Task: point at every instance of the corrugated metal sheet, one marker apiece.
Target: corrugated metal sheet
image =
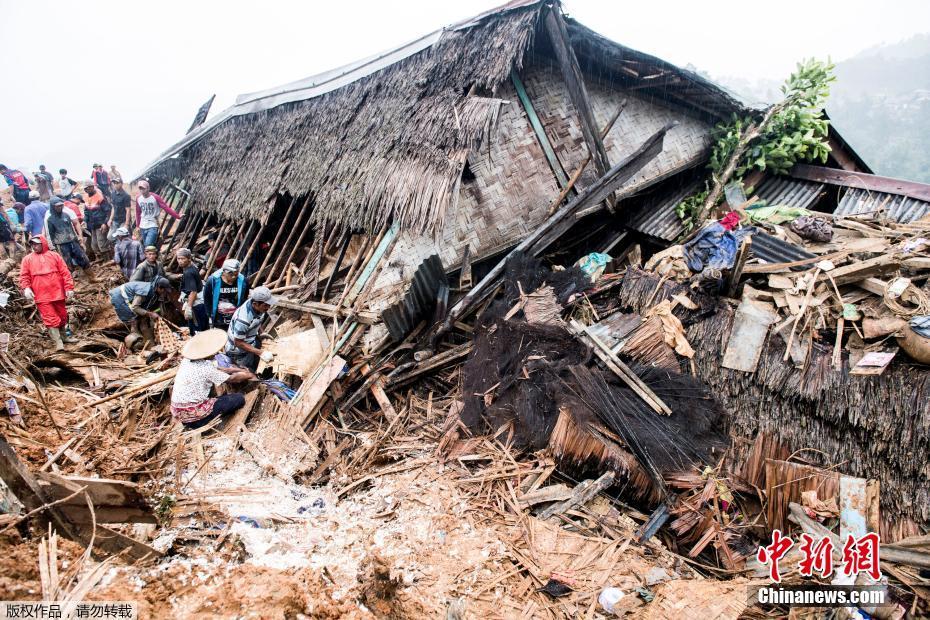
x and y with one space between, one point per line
898 208
658 218
418 301
782 190
773 250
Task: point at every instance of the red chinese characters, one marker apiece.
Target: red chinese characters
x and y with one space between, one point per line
818 556
771 554
862 556
859 555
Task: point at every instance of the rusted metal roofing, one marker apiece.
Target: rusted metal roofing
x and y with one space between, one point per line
901 209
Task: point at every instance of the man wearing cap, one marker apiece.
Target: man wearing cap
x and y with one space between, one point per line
127 253
134 303
243 343
34 215
150 268
44 278
96 215
121 202
63 230
224 291
148 204
192 292
191 403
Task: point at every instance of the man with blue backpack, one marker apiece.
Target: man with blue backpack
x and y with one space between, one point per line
224 291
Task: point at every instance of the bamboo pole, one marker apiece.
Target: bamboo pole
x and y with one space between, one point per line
332 276
168 375
258 237
238 239
290 238
216 248
274 244
300 240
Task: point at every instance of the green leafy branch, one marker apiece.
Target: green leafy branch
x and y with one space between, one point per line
790 131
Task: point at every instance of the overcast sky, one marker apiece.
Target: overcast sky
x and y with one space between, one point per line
126 82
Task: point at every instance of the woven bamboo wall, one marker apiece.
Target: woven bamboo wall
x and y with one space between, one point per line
640 119
513 185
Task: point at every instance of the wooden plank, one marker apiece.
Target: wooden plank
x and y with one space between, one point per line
377 389
313 395
551 493
362 279
862 180
582 494
328 310
779 267
747 336
574 82
230 425
855 272
540 132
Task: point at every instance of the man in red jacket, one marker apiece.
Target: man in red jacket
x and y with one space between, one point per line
45 278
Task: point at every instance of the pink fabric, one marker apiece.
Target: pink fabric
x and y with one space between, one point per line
730 220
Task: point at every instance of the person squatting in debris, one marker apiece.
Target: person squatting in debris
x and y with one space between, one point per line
63 230
135 302
243 342
192 292
191 403
225 290
44 278
96 214
150 268
127 252
148 204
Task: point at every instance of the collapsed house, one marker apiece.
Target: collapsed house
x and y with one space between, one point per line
415 209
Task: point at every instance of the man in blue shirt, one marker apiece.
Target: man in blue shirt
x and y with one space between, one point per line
34 215
243 343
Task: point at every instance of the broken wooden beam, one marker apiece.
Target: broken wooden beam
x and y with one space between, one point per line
862 180
577 92
624 372
582 494
433 363
328 310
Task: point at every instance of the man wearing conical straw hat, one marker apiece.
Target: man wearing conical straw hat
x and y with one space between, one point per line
191 403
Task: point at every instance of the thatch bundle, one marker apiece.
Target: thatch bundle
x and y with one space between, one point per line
391 145
874 427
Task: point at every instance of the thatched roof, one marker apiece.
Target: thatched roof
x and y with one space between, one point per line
387 138
389 145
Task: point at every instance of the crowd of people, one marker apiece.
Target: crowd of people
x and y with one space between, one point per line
69 226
